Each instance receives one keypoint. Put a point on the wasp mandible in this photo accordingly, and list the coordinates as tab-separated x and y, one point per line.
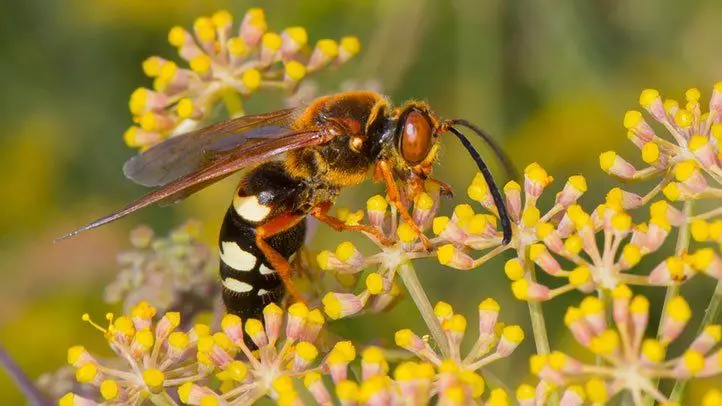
335	142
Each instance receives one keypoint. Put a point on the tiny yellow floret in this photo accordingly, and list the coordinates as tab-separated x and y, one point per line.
86	373
607	159
700	230
696	142
251	78
374	283
520	289
439	224
647	97
185	108
622	292
671	191
322	258
154	378
489	304
443	310
329	47
109	389
237	47
295	70
650	152
596	390
177	36
631	254
684	118
536	251
678	309
345	251
201	64
403	337
377	203
653	350
205	29
445	253
632	118
351	45
513	333
406	233
498	397
694	361
513	269
684	170
456	324
580	276
272	41
530	216
525	392
573	244
639	305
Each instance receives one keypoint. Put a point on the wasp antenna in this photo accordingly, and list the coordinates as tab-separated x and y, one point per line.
511	171
97	223
495	193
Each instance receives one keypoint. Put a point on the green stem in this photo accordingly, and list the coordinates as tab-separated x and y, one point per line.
683	235
233	103
539	326
162	399
606	299
418	295
710	315
682	245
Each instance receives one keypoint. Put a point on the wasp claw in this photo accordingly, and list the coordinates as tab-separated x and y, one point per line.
426	243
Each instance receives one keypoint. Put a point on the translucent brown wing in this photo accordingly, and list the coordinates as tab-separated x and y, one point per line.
186	153
226	163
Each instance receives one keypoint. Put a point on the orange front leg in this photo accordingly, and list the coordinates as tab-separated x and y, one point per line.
321	212
267	230
395	197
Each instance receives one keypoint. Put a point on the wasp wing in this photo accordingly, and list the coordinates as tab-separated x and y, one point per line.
225	164
180	155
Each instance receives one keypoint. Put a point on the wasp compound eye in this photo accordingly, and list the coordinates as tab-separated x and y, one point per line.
416	138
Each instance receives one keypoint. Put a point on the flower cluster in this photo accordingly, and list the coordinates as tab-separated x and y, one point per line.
160	361
631	362
151	358
466	230
169	273
457	378
605	263
455	236
685	161
280	356
380	288
224	63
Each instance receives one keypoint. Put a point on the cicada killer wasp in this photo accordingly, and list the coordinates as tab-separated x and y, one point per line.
335	142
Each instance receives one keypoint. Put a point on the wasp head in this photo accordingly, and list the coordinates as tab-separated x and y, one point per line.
416	142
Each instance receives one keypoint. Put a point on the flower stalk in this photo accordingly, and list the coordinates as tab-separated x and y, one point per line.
538	323
408	276
711	314
680	249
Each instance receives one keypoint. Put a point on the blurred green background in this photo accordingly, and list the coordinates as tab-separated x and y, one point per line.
550	79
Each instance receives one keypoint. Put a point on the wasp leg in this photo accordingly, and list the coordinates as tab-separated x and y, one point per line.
395	197
444	187
275	226
321	213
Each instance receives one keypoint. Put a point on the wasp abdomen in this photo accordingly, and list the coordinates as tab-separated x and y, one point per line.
248	278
